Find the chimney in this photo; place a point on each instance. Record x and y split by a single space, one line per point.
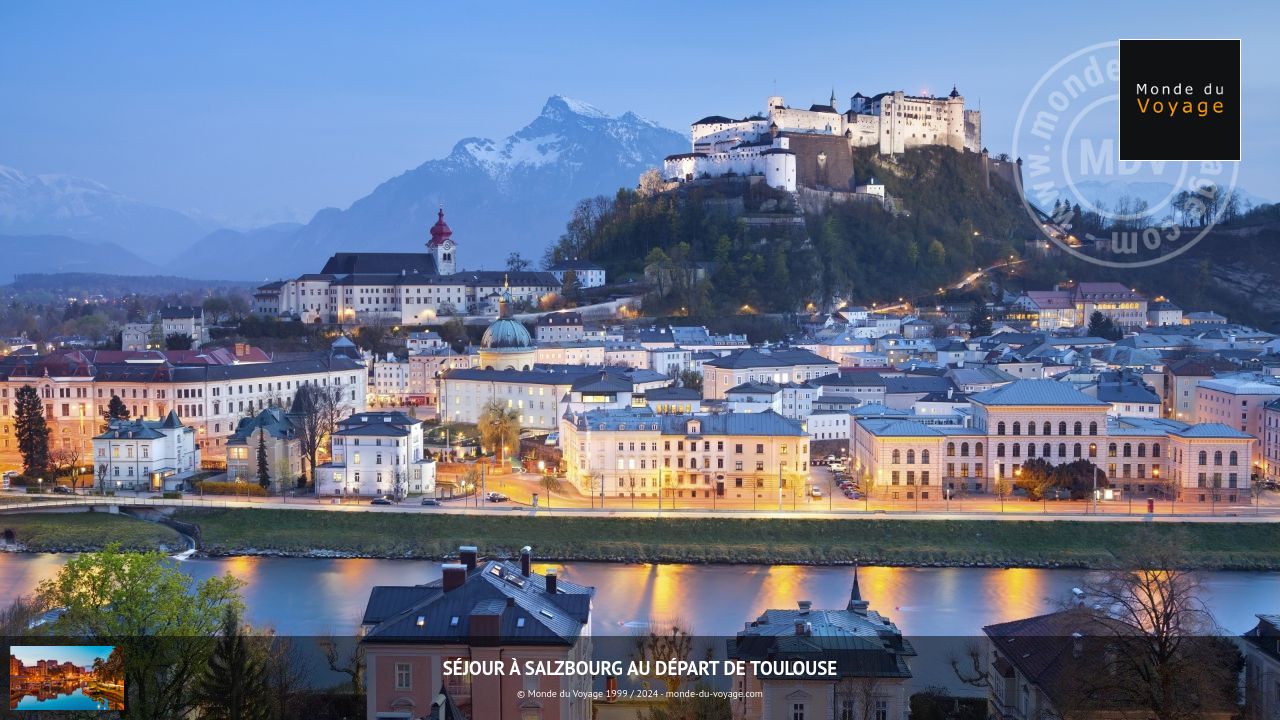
804 606
526 560
455 576
467 556
551 577
1077 645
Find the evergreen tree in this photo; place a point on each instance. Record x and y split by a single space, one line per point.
32 432
234 686
979 322
264 473
1104 327
116 409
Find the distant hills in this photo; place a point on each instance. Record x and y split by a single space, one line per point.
93 213
499 196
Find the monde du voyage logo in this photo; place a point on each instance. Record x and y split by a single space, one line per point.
1162 115
1180 100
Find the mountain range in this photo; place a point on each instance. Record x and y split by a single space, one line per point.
499 196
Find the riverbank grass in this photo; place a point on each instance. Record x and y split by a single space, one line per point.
716 540
73 532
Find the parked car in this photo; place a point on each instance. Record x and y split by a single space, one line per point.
63 490
431 502
381 501
815 492
496 497
851 494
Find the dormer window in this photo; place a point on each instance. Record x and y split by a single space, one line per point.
693 427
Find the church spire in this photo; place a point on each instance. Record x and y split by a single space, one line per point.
833 99
856 603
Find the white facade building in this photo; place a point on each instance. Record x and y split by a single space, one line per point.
145 454
377 454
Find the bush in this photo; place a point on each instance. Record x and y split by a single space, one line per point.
230 488
170 495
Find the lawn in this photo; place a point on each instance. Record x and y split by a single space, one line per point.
54 532
897 542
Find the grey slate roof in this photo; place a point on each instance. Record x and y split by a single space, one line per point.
752 358
529 614
1035 392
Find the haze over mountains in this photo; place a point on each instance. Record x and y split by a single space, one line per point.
499 196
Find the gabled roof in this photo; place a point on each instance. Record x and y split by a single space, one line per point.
526 613
347 263
753 358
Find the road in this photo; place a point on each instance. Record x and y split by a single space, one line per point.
567 502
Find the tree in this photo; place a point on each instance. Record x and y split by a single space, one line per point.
673 643
1163 651
516 263
178 341
32 431
651 183
979 321
499 427
316 412
549 482
570 288
1104 327
233 686
454 332
691 379
1036 477
160 618
264 472
115 410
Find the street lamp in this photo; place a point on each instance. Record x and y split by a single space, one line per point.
1093 452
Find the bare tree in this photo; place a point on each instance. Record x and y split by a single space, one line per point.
347 657
317 409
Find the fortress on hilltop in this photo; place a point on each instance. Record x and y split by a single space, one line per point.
793 148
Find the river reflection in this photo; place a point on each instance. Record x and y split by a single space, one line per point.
300 596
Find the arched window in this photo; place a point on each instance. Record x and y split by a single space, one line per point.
1047 450
1076 452
1031 447
1155 450
1062 428
1111 450
1017 428
1000 428
1093 428
964 449
897 456
1000 450
1093 450
1142 450
951 449
1217 457
1204 457
1048 429
924 457
911 457
1235 458
1062 450
977 449
1031 428
1079 428
1128 450
1017 450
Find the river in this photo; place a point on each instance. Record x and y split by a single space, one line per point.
299 596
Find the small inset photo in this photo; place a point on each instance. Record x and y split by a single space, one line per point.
66 677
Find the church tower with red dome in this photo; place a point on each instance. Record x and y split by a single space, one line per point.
442 247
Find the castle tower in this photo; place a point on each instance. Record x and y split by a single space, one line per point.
955 120
442 246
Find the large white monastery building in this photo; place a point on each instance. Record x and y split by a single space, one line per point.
403 288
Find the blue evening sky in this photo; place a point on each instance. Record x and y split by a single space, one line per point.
248 109
80 655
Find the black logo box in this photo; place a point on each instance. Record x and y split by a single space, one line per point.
1189 65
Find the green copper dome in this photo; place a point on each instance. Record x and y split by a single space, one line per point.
506 333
